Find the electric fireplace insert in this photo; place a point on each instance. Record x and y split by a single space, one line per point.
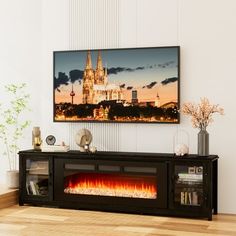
113 185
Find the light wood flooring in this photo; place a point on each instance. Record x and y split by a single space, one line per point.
40 221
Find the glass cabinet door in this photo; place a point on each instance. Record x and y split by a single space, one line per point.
188 185
37 177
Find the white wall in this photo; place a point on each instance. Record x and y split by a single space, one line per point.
20 58
205 30
207 36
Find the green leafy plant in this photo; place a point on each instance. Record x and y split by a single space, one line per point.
12 124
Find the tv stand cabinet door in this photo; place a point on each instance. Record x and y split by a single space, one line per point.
36 179
191 188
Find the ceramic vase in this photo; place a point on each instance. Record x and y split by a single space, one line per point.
203 143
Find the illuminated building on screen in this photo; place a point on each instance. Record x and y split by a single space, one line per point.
95 83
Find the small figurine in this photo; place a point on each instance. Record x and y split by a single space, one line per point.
36 138
181 149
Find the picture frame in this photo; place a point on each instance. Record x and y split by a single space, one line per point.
191 170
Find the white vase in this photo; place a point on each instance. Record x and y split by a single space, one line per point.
13 179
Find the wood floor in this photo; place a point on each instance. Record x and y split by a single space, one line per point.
40 221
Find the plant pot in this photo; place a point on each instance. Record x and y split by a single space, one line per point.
13 179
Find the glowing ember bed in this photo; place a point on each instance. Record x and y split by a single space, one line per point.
115 185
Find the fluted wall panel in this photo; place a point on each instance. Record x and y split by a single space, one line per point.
94 24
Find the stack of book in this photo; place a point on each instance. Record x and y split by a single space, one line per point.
55 148
185 177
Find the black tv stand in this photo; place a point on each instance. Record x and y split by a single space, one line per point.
144 183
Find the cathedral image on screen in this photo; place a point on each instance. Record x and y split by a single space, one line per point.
119 85
95 83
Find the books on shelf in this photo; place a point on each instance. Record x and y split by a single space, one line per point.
55 148
190 177
189 198
34 188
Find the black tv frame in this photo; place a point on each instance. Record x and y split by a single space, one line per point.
114 121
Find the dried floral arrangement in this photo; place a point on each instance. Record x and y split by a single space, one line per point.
201 114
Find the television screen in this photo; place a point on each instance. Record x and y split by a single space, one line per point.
117 85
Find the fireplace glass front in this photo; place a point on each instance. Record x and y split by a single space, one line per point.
111 184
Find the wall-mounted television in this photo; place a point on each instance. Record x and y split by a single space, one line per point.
117 85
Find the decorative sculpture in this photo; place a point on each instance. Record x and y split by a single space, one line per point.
83 139
181 149
36 138
181 142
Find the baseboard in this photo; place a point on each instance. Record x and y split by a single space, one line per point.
8 197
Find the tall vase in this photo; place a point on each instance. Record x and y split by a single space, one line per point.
203 143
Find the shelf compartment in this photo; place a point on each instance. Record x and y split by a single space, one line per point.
189 198
37 167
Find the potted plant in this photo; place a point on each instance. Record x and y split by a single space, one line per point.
12 125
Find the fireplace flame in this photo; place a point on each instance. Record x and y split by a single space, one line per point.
112 186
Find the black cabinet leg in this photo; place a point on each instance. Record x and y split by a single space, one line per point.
21 203
215 211
209 216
